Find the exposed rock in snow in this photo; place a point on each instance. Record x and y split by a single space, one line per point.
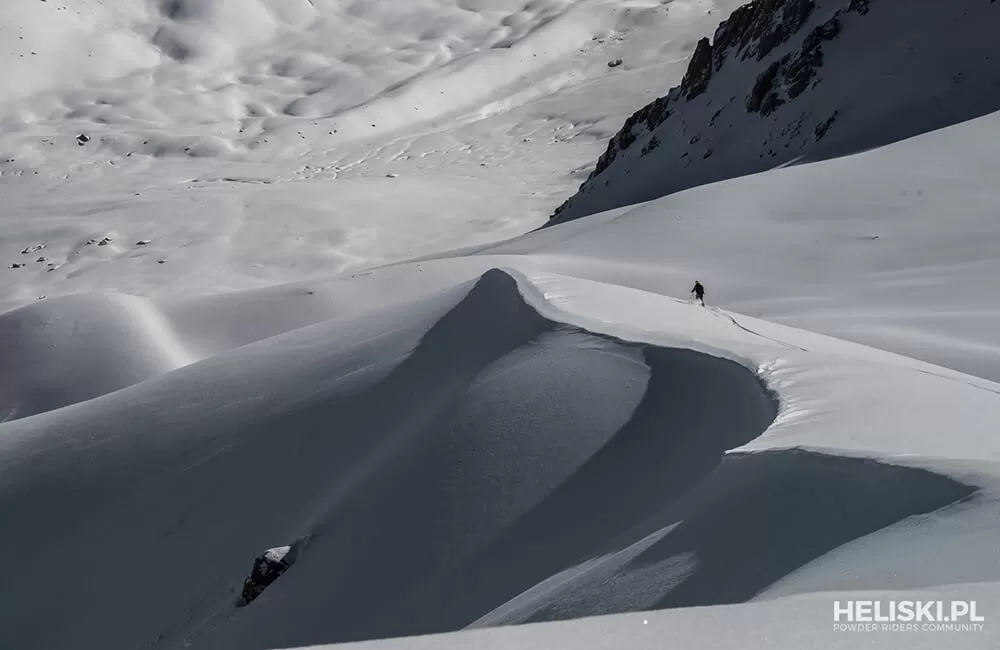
266 569
816 79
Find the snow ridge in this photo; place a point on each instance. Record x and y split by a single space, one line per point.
466 489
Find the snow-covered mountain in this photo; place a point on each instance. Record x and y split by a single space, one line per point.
273 326
793 81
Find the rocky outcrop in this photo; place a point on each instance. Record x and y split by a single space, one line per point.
752 33
756 29
651 116
699 71
266 569
788 77
860 6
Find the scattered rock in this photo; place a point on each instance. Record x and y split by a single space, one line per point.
861 6
144 242
33 249
392 175
15 265
614 63
104 241
82 139
825 125
791 74
266 569
161 261
42 259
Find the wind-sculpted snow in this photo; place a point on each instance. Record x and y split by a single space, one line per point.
258 142
394 453
111 340
755 519
430 462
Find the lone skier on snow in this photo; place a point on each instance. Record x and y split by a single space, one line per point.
699 292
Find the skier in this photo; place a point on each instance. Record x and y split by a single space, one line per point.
699 292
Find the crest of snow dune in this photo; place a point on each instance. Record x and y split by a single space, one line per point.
522 454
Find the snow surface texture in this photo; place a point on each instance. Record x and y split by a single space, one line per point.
802 623
527 431
533 466
259 141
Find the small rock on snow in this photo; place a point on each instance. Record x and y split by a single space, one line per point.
266 569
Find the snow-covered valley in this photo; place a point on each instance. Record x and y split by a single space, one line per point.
273 276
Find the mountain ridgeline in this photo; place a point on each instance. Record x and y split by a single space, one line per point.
790 81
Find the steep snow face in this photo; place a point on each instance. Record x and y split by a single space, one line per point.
788 81
894 247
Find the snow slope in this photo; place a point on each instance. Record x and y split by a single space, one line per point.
894 247
792 623
247 318
537 422
261 141
792 81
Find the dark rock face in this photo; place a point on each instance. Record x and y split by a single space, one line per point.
731 33
751 33
859 6
757 28
803 66
791 74
763 98
699 71
651 115
266 569
825 125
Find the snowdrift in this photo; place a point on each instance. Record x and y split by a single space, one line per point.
112 340
458 458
